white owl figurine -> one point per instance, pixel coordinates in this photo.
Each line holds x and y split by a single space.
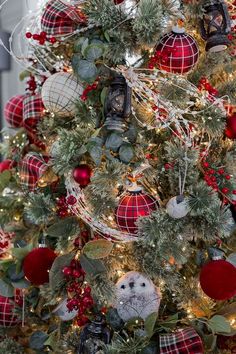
136 296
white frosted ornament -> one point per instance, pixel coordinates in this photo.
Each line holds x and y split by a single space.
136 296
177 207
63 312
60 93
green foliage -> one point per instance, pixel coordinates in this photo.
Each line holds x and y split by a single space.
97 249
67 227
39 209
212 120
202 199
56 277
127 344
84 114
10 346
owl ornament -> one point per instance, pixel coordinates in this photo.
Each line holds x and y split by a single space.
136 296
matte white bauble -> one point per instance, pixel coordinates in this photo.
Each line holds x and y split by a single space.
60 93
177 207
62 311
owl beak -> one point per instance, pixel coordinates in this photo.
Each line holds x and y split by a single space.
131 284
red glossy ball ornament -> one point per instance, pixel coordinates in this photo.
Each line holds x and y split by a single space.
82 175
5 165
37 264
13 111
218 279
177 52
133 204
7 316
230 130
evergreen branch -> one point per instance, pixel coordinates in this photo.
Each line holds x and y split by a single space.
39 209
10 346
202 198
103 290
212 120
121 345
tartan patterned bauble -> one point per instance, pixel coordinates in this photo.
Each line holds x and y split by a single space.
60 93
177 52
5 165
133 204
33 110
60 18
31 169
184 341
13 111
7 305
37 263
230 130
218 279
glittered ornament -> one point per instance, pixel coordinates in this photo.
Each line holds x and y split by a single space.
5 165
177 52
82 175
177 207
13 111
230 130
37 263
218 279
63 312
7 305
133 204
60 93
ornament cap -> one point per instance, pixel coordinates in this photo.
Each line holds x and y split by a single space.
135 188
178 30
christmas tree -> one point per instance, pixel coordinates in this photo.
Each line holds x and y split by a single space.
118 184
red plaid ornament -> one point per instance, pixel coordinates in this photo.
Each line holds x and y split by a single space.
177 52
33 110
7 306
184 341
13 111
133 204
60 18
31 169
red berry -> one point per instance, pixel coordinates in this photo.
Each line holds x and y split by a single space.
205 164
71 200
82 321
87 290
234 191
62 213
225 190
83 97
43 34
87 301
76 273
61 201
36 37
74 302
28 34
150 66
73 263
213 178
228 177
67 271
211 172
77 242
167 166
53 40
221 171
94 86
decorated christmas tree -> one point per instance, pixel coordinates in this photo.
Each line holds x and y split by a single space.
118 184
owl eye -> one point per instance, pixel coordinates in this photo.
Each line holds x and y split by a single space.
143 284
122 286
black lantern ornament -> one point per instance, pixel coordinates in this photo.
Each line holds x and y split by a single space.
117 104
215 25
93 336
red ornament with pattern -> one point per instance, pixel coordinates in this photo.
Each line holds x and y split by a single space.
230 130
133 204
7 305
177 52
13 111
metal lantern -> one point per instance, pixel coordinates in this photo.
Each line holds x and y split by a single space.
93 336
117 104
215 25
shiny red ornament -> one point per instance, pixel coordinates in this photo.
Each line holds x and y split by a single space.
37 264
218 279
177 52
82 175
7 316
118 2
230 130
5 165
132 205
13 111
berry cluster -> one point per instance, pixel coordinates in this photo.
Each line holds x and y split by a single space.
62 207
32 85
79 293
161 57
41 37
217 179
82 239
88 89
204 84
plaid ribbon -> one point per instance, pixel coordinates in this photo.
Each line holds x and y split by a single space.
31 169
13 111
59 18
184 341
33 109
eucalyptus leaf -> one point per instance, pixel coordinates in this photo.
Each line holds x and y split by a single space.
21 284
93 52
92 266
13 274
20 253
64 228
78 44
56 277
98 249
114 141
52 340
84 46
96 153
5 177
149 323
114 320
6 289
86 70
103 95
219 324
126 153
37 340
